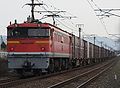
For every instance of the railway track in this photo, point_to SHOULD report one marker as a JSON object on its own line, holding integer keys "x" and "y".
{"x": 9, "y": 82}
{"x": 43, "y": 79}
{"x": 4, "y": 80}
{"x": 82, "y": 80}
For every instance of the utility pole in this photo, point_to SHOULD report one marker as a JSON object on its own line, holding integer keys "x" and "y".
{"x": 33, "y": 7}
{"x": 79, "y": 26}
{"x": 94, "y": 48}
{"x": 101, "y": 49}
{"x": 32, "y": 10}
{"x": 0, "y": 41}
{"x": 79, "y": 42}
{"x": 53, "y": 14}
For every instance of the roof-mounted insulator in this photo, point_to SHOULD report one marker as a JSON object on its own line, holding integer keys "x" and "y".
{"x": 29, "y": 19}
{"x": 15, "y": 21}
{"x": 10, "y": 23}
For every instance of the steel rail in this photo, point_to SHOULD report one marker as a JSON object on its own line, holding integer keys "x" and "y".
{"x": 10, "y": 83}
{"x": 94, "y": 77}
{"x": 65, "y": 82}
{"x": 22, "y": 81}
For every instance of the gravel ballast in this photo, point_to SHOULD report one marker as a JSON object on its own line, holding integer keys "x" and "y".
{"x": 109, "y": 79}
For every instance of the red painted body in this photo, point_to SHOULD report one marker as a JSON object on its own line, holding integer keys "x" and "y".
{"x": 29, "y": 45}
{"x": 57, "y": 42}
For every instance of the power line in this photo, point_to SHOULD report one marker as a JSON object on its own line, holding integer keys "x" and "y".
{"x": 70, "y": 20}
{"x": 54, "y": 14}
{"x": 64, "y": 25}
{"x": 101, "y": 19}
{"x": 106, "y": 12}
{"x": 96, "y": 13}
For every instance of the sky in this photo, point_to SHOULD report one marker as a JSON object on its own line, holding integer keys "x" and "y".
{"x": 91, "y": 24}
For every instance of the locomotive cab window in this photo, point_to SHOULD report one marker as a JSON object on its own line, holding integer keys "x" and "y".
{"x": 17, "y": 33}
{"x": 38, "y": 32}
{"x": 28, "y": 32}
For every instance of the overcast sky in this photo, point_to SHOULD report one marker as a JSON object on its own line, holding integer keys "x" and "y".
{"x": 12, "y": 9}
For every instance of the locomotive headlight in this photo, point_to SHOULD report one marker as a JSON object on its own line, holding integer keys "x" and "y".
{"x": 43, "y": 48}
{"x": 11, "y": 48}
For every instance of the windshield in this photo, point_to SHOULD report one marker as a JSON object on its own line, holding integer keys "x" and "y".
{"x": 28, "y": 32}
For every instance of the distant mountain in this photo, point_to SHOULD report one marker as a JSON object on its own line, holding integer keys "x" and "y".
{"x": 106, "y": 42}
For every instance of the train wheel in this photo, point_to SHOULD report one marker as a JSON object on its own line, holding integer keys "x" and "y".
{"x": 88, "y": 61}
{"x": 63, "y": 64}
{"x": 19, "y": 71}
{"x": 67, "y": 64}
{"x": 57, "y": 65}
{"x": 51, "y": 66}
{"x": 37, "y": 72}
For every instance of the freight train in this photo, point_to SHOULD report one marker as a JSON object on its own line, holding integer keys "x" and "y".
{"x": 43, "y": 47}
{"x": 38, "y": 47}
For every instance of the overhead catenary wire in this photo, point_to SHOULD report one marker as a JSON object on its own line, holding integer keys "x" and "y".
{"x": 60, "y": 16}
{"x": 72, "y": 16}
{"x": 102, "y": 22}
{"x": 69, "y": 27}
{"x": 65, "y": 25}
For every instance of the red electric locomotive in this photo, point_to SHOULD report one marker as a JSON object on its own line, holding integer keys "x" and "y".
{"x": 38, "y": 47}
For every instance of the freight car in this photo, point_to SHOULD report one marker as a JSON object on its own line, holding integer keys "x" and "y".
{"x": 38, "y": 47}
